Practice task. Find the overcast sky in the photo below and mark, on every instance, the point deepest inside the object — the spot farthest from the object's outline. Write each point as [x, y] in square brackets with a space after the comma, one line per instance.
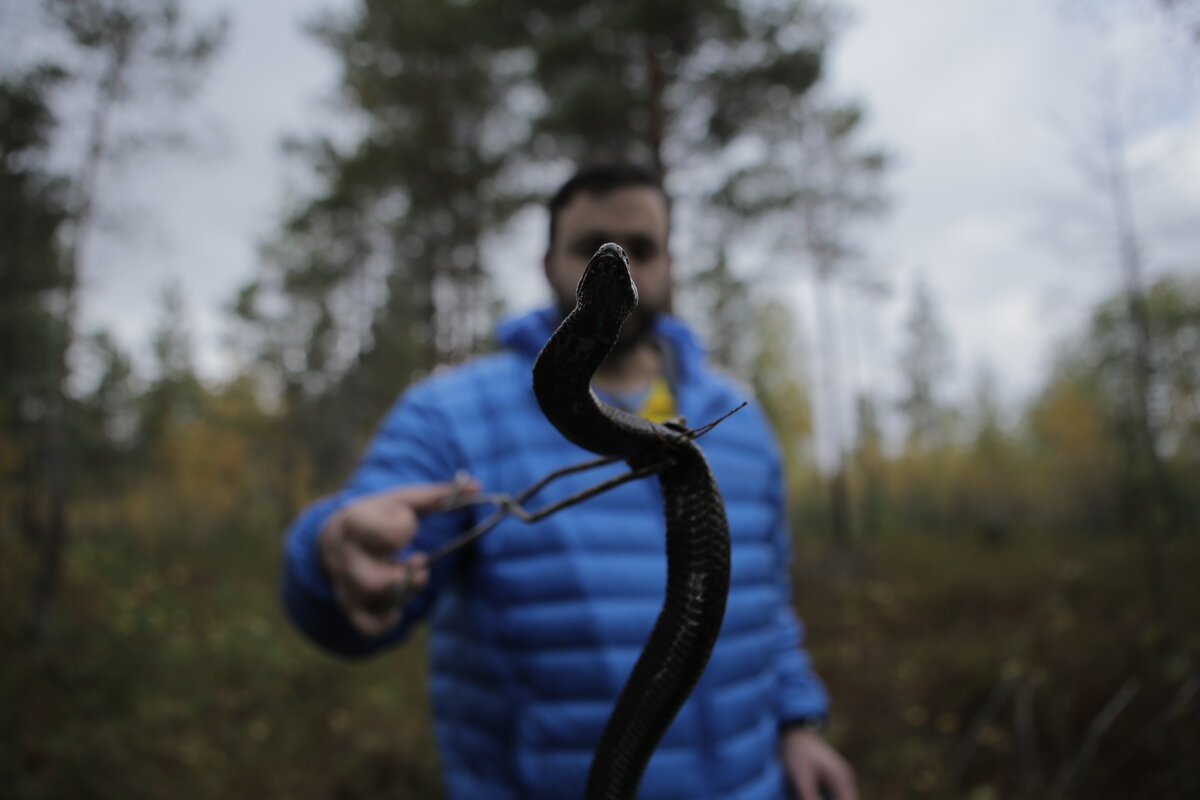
[988, 107]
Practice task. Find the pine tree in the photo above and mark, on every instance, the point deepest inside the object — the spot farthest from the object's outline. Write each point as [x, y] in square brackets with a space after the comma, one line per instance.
[924, 364]
[32, 212]
[124, 51]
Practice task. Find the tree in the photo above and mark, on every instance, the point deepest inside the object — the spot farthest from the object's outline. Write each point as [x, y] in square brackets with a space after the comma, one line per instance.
[382, 272]
[1075, 459]
[987, 480]
[1150, 493]
[175, 397]
[924, 473]
[812, 186]
[924, 364]
[1168, 404]
[781, 388]
[407, 206]
[127, 50]
[469, 110]
[730, 314]
[719, 99]
[668, 84]
[105, 420]
[379, 277]
[871, 461]
[842, 178]
[32, 211]
[1136, 369]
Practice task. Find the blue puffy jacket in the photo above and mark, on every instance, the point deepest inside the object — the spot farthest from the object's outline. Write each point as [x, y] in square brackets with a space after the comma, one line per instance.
[536, 627]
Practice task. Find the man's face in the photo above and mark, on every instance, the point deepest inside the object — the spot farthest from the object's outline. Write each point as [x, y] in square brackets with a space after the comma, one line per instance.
[634, 217]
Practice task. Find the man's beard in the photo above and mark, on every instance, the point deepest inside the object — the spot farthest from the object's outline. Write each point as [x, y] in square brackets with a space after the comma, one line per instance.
[638, 327]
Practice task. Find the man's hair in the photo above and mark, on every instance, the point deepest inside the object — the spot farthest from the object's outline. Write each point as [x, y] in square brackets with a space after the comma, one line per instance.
[598, 180]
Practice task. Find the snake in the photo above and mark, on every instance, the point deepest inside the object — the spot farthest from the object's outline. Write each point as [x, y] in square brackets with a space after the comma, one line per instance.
[697, 531]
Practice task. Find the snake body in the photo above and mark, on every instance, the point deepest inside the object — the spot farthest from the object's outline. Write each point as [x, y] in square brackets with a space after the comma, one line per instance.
[697, 531]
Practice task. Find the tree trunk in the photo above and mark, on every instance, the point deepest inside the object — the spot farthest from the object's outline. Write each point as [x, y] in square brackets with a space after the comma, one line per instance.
[839, 495]
[1149, 470]
[48, 579]
[54, 540]
[1157, 517]
[656, 109]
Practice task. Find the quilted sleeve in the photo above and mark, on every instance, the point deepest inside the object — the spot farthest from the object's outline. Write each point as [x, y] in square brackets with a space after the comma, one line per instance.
[414, 444]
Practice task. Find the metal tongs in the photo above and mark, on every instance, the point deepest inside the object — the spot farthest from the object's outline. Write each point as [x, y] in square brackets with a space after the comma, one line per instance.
[514, 504]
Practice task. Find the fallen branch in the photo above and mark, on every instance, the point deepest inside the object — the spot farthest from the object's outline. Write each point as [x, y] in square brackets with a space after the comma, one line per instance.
[987, 713]
[1100, 725]
[1025, 726]
[1178, 702]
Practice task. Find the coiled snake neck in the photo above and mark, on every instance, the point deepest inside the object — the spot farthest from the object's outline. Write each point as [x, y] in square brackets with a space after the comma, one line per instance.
[697, 531]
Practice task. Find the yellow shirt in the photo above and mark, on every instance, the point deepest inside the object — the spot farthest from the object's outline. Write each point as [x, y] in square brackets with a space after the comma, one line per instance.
[659, 405]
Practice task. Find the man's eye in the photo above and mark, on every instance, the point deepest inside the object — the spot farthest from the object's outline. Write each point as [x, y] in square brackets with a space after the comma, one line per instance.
[586, 248]
[637, 247]
[641, 248]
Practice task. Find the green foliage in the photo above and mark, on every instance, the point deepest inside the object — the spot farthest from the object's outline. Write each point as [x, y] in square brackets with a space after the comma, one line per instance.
[467, 110]
[1075, 458]
[755, 338]
[173, 673]
[32, 210]
[919, 632]
[869, 465]
[1105, 357]
[137, 48]
[667, 84]
[1065, 465]
[988, 494]
[730, 312]
[174, 397]
[379, 277]
[1103, 365]
[104, 420]
[810, 186]
[779, 386]
[122, 51]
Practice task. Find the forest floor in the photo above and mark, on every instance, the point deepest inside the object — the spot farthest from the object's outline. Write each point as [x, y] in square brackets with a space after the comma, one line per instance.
[959, 669]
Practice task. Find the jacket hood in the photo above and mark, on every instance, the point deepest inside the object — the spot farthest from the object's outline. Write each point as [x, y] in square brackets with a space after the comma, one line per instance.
[528, 333]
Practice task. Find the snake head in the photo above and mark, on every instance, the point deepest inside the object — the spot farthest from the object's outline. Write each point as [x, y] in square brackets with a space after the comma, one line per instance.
[607, 276]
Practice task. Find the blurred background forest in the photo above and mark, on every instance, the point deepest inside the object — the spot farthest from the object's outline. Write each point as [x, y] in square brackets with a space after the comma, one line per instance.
[1003, 599]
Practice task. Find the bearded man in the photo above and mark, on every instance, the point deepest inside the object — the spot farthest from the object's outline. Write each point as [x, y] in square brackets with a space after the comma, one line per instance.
[536, 627]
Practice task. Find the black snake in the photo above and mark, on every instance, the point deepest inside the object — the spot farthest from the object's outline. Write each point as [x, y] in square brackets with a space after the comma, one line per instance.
[697, 535]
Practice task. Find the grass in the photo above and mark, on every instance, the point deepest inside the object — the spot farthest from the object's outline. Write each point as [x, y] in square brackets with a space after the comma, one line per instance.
[916, 634]
[170, 672]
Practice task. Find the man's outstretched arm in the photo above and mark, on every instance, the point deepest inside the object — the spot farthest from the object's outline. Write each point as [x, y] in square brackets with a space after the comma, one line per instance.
[345, 554]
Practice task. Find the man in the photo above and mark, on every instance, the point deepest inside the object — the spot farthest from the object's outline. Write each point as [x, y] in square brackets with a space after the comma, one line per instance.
[536, 627]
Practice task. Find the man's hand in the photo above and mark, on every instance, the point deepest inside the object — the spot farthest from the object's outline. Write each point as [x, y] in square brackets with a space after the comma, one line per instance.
[812, 766]
[358, 548]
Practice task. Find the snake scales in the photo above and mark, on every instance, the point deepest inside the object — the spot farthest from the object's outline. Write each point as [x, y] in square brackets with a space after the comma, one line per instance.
[697, 532]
